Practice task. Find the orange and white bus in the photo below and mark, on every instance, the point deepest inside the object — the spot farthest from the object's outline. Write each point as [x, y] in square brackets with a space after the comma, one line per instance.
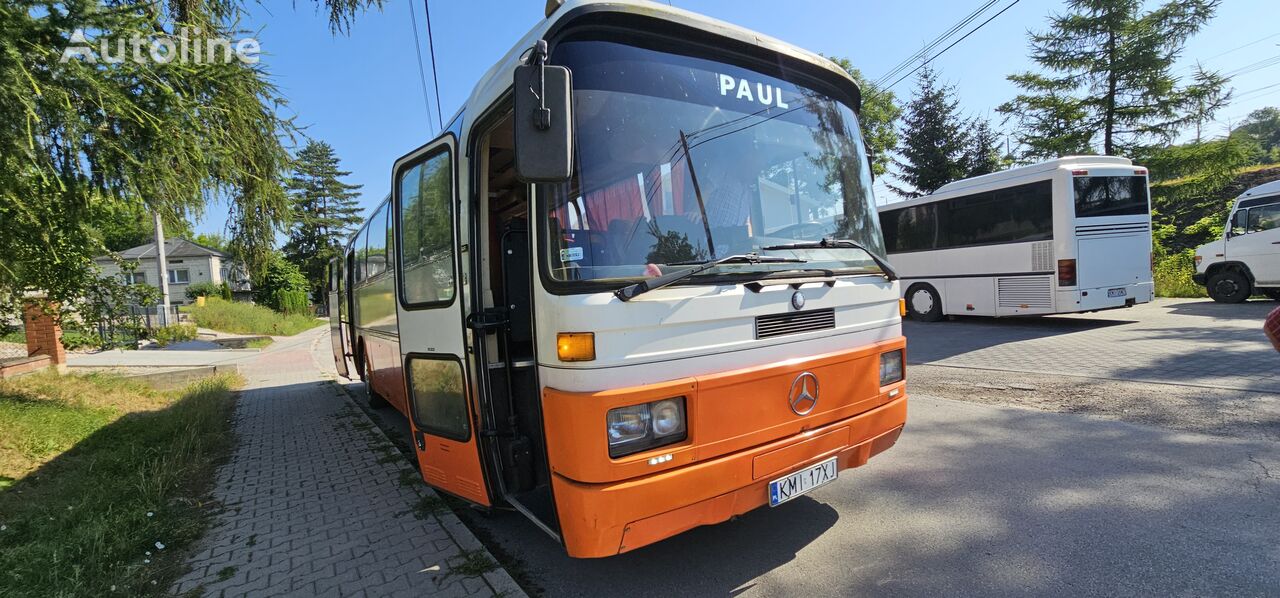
[637, 285]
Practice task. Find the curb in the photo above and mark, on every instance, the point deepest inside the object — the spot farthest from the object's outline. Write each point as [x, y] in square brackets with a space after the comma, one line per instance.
[498, 579]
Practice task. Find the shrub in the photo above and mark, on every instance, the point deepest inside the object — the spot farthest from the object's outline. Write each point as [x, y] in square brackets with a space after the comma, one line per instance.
[224, 291]
[246, 318]
[202, 289]
[281, 275]
[1173, 275]
[292, 302]
[176, 333]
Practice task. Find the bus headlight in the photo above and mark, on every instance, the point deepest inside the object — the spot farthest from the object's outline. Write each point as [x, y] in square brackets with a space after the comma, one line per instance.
[890, 367]
[635, 428]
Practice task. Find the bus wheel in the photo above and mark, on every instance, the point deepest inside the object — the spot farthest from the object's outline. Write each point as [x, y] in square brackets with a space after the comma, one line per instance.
[375, 400]
[1228, 286]
[924, 304]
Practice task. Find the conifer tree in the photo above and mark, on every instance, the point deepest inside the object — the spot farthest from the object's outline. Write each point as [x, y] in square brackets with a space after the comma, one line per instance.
[1107, 79]
[982, 154]
[932, 150]
[878, 118]
[325, 212]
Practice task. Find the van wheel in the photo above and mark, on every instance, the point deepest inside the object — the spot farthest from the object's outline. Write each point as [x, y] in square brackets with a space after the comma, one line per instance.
[375, 400]
[1229, 286]
[1274, 294]
[924, 304]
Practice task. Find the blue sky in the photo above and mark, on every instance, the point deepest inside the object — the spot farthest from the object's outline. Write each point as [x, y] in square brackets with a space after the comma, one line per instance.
[362, 94]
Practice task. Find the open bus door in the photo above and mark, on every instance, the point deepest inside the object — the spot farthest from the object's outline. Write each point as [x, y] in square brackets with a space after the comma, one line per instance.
[442, 411]
[338, 316]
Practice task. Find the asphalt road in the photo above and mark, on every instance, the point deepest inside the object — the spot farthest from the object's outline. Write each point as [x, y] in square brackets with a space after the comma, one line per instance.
[974, 500]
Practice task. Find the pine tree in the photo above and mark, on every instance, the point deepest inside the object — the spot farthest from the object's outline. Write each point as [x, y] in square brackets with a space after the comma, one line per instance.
[933, 139]
[325, 212]
[982, 153]
[1108, 79]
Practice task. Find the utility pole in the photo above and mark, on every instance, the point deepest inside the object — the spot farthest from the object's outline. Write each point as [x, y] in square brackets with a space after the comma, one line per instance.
[163, 262]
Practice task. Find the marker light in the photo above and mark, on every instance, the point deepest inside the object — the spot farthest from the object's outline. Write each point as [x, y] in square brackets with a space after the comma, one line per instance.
[576, 346]
[902, 307]
[1080, 173]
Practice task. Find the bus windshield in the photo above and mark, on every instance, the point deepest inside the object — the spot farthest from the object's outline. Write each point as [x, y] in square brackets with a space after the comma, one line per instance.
[682, 160]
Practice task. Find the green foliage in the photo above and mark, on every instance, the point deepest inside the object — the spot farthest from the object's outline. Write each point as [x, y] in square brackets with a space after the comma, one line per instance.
[224, 291]
[933, 138]
[325, 212]
[203, 289]
[212, 241]
[878, 118]
[246, 318]
[1108, 71]
[1173, 273]
[280, 275]
[982, 153]
[292, 302]
[96, 489]
[1263, 125]
[1194, 188]
[174, 333]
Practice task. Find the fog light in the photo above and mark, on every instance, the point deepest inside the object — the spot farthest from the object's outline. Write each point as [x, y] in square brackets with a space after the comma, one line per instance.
[576, 346]
[890, 367]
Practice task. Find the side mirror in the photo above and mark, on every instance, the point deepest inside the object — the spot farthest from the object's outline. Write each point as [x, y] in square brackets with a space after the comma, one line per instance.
[543, 120]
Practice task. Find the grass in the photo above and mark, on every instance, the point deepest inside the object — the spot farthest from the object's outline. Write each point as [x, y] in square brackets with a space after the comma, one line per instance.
[103, 471]
[259, 343]
[246, 318]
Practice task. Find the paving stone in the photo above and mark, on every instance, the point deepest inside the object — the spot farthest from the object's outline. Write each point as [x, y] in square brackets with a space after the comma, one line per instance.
[325, 518]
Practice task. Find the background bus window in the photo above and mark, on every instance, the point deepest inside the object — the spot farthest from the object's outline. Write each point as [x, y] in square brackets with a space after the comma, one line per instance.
[439, 403]
[376, 258]
[361, 251]
[1018, 214]
[426, 231]
[1111, 196]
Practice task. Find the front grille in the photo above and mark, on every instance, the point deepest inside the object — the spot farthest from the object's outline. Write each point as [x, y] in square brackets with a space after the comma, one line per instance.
[795, 322]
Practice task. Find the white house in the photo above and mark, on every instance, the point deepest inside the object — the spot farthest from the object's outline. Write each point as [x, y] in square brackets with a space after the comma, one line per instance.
[188, 263]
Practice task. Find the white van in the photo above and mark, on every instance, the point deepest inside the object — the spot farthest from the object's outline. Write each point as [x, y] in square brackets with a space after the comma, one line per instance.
[1246, 260]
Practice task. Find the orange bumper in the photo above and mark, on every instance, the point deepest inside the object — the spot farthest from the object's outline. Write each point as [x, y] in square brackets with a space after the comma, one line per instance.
[598, 520]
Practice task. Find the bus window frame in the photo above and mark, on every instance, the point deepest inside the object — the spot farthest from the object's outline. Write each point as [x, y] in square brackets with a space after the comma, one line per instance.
[449, 147]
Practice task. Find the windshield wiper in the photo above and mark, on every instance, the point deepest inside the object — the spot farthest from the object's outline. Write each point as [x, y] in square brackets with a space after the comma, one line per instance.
[630, 292]
[884, 266]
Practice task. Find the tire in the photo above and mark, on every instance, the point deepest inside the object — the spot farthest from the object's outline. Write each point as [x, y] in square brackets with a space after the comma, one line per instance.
[923, 303]
[375, 400]
[1229, 286]
[1274, 294]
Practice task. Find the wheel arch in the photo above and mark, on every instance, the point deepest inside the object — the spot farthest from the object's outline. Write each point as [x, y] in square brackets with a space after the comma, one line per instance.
[942, 305]
[1228, 266]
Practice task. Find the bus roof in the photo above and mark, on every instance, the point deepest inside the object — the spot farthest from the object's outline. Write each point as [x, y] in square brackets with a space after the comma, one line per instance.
[1264, 189]
[1014, 174]
[498, 79]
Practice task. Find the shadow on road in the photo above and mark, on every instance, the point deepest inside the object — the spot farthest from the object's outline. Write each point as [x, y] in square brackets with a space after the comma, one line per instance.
[1208, 308]
[935, 341]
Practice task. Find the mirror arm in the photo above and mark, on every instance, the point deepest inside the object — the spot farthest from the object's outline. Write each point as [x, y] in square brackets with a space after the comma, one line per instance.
[541, 116]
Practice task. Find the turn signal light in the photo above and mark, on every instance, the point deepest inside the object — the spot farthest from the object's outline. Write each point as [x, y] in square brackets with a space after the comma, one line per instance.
[902, 307]
[1066, 273]
[576, 346]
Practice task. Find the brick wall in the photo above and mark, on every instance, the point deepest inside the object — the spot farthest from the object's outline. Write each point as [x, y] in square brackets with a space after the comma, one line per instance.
[44, 335]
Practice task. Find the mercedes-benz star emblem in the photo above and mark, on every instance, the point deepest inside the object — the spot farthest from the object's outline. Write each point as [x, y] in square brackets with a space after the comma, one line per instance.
[797, 300]
[804, 394]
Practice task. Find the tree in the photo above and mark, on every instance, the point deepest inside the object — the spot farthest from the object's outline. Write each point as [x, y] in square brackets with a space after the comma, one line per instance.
[1108, 73]
[141, 135]
[982, 152]
[279, 284]
[878, 118]
[933, 138]
[213, 241]
[325, 212]
[1263, 125]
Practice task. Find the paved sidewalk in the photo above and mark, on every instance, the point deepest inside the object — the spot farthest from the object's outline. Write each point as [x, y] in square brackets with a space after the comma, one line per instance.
[318, 503]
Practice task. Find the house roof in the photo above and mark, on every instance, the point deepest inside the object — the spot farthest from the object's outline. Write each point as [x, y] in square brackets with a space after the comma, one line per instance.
[177, 247]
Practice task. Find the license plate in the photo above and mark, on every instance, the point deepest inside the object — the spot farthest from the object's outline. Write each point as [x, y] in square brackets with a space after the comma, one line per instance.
[784, 489]
[1112, 293]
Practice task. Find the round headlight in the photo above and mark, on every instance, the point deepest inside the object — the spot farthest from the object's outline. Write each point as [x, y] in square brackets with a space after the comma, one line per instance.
[668, 418]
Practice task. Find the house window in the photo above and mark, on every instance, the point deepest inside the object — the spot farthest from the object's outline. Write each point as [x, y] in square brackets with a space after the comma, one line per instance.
[182, 276]
[135, 277]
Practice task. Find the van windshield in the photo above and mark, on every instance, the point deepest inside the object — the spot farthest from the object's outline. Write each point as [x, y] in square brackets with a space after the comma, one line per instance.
[683, 160]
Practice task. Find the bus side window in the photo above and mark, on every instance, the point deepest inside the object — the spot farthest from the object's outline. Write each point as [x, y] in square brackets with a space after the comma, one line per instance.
[1264, 218]
[1238, 221]
[426, 231]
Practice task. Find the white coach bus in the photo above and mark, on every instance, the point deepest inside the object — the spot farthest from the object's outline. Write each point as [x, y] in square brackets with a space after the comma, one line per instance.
[1062, 236]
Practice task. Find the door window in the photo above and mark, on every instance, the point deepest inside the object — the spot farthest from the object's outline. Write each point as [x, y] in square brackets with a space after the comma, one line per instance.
[1264, 218]
[437, 387]
[426, 231]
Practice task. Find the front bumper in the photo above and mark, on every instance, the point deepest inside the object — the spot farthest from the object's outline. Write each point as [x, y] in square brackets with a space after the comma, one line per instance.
[1199, 278]
[598, 520]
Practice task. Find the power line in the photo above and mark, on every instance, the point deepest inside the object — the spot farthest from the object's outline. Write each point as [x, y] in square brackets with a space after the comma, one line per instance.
[1249, 68]
[908, 61]
[431, 46]
[1256, 41]
[944, 50]
[422, 75]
